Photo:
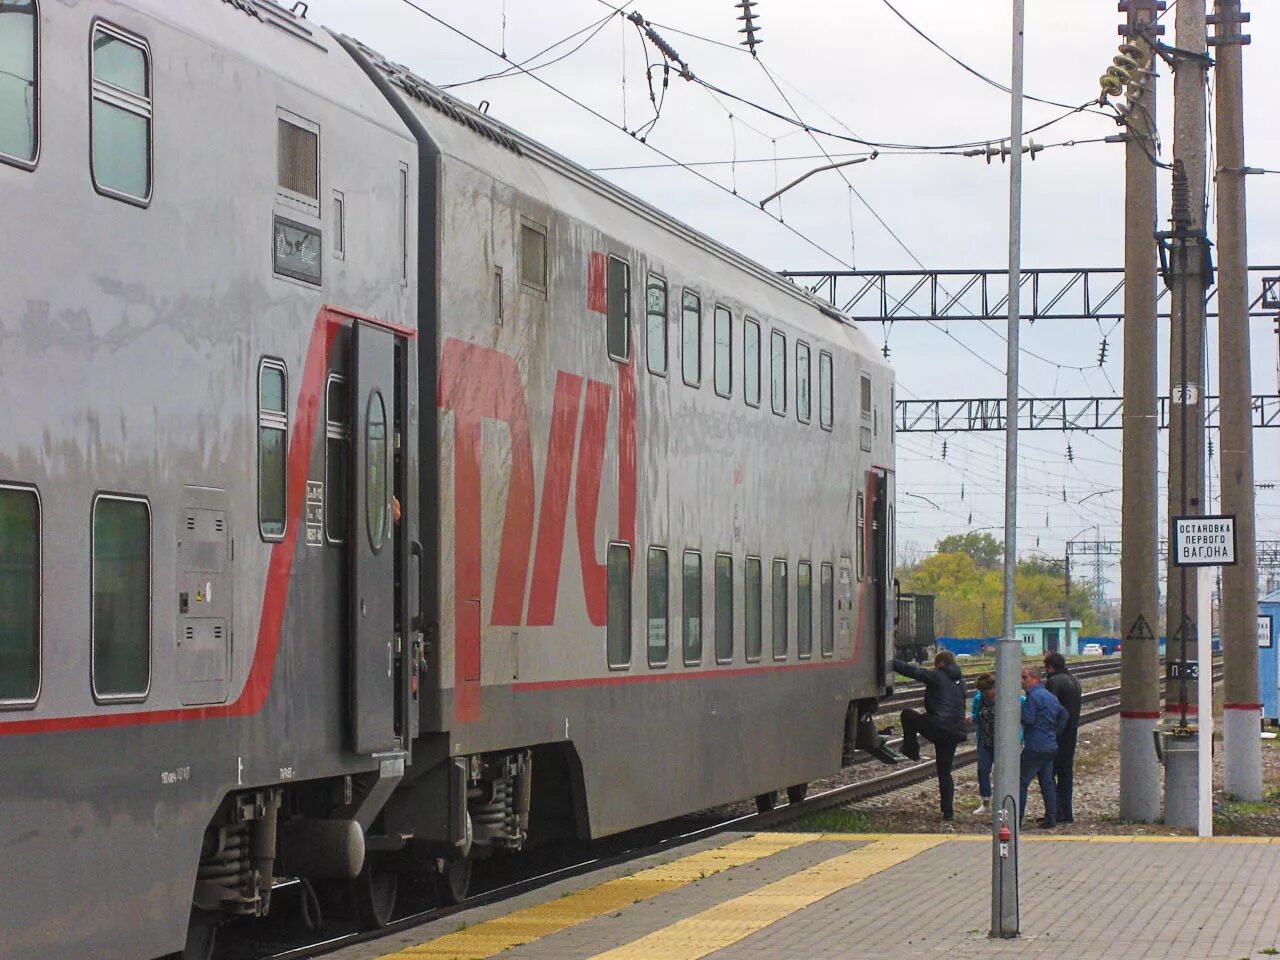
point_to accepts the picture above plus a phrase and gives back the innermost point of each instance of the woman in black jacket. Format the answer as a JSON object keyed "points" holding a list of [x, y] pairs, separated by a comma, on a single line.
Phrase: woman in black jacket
{"points": [[942, 722]]}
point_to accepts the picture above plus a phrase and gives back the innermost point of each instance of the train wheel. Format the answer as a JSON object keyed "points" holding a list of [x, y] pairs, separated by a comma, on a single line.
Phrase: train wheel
{"points": [[454, 880], [374, 894], [766, 801], [797, 792]]}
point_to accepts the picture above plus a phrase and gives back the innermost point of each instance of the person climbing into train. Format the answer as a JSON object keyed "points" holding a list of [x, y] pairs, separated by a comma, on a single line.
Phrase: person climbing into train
{"points": [[1060, 682], [943, 720], [1043, 720]]}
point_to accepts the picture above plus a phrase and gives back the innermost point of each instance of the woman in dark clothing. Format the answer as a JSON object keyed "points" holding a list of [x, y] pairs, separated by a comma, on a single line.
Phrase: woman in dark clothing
{"points": [[942, 722]]}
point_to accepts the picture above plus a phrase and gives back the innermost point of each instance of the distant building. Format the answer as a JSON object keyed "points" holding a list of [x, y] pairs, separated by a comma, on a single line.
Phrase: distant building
{"points": [[1039, 637]]}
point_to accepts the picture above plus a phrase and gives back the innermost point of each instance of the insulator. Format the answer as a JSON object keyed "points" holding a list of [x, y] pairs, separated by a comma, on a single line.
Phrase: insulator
{"points": [[1135, 53], [1126, 63], [1071, 458], [1211, 446], [1124, 76], [944, 449], [961, 491], [885, 350], [1102, 352], [1110, 85], [1181, 196]]}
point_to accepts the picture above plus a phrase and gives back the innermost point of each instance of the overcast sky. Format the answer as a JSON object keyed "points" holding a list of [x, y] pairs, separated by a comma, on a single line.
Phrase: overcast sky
{"points": [[853, 67]]}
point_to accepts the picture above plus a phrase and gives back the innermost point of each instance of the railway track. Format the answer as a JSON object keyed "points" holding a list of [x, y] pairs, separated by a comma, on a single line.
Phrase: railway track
{"points": [[897, 779]]}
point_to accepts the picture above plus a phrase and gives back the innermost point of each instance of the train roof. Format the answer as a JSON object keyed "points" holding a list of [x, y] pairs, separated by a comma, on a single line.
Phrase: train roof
{"points": [[521, 146]]}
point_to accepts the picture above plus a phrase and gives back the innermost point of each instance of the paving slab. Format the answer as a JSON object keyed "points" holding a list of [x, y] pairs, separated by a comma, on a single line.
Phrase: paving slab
{"points": [[883, 897]]}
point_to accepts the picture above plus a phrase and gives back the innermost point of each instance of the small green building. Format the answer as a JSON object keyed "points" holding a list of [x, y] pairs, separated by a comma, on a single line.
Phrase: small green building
{"points": [[1039, 637]]}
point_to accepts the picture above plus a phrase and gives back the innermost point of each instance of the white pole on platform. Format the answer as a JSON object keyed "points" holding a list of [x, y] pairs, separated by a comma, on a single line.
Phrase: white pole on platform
{"points": [[1204, 695]]}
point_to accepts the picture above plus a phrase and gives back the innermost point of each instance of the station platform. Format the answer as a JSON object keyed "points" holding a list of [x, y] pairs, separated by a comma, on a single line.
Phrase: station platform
{"points": [[883, 897]]}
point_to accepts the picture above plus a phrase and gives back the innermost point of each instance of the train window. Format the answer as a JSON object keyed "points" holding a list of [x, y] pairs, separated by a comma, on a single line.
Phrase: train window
{"points": [[404, 224], [659, 607], [778, 366], [751, 603], [19, 90], [619, 332], [827, 602], [862, 536], [780, 609], [618, 639], [656, 322], [724, 608], [803, 413], [120, 122], [533, 256], [273, 429], [337, 453], [691, 590], [751, 362], [804, 610], [298, 158], [825, 407], [723, 331], [121, 628], [339, 226], [865, 398], [691, 338], [19, 593], [377, 483]]}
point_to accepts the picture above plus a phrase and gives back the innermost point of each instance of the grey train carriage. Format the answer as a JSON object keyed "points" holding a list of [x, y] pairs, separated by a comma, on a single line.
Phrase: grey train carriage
{"points": [[379, 490]]}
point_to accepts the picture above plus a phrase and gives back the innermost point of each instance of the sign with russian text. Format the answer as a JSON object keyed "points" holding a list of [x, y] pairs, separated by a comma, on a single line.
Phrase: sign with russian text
{"points": [[1204, 541], [1264, 630]]}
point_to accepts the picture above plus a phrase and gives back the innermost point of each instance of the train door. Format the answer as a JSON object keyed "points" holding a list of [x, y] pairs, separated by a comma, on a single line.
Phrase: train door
{"points": [[881, 582], [377, 546]]}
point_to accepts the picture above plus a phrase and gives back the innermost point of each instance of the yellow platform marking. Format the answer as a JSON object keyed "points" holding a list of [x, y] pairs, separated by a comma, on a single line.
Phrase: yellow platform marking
{"points": [[736, 919], [533, 923]]}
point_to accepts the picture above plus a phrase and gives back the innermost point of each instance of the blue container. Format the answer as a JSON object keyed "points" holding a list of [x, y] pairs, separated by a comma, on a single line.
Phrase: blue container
{"points": [[1268, 661]]}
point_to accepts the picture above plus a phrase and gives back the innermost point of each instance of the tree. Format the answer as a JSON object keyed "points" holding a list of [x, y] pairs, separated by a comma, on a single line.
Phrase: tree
{"points": [[987, 552]]}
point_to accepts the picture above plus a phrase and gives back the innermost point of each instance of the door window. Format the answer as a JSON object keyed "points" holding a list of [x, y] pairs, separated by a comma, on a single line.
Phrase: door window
{"points": [[377, 481]]}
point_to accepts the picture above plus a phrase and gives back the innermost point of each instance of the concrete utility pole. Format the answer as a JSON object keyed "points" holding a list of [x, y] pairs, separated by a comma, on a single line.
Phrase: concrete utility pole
{"points": [[1064, 646], [1240, 582], [1186, 406], [1005, 818], [1140, 511]]}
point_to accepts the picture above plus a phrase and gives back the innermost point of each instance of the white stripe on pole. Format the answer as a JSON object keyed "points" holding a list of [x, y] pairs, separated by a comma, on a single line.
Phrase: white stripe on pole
{"points": [[1204, 694]]}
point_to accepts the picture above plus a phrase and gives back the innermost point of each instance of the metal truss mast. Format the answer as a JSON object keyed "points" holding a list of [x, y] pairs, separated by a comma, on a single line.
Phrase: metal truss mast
{"points": [[1049, 413], [1080, 293]]}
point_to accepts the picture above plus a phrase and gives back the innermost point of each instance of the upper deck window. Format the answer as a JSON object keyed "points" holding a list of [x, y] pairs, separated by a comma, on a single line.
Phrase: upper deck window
{"points": [[19, 92], [691, 338], [778, 370], [724, 350], [619, 317], [802, 382], [121, 118], [533, 256], [751, 362], [656, 322]]}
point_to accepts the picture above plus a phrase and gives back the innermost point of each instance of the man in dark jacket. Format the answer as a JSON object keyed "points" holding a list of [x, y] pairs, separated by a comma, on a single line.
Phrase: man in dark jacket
{"points": [[942, 722], [1043, 718], [1060, 682]]}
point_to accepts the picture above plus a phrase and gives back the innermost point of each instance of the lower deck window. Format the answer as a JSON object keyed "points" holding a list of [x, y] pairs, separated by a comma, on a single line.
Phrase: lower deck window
{"points": [[121, 628], [779, 609], [804, 610], [658, 607], [751, 602], [19, 595], [827, 602], [724, 608], [691, 588], [619, 629]]}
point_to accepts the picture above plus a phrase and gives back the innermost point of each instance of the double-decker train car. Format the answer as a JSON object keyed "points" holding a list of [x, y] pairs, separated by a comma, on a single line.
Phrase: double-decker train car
{"points": [[380, 490]]}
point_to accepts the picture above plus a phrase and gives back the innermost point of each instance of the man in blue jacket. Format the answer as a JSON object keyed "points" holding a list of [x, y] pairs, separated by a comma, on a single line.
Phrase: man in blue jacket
{"points": [[942, 721], [1043, 718]]}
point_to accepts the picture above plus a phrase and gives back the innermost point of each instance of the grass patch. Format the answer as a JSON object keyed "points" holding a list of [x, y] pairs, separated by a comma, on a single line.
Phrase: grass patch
{"points": [[835, 821]]}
